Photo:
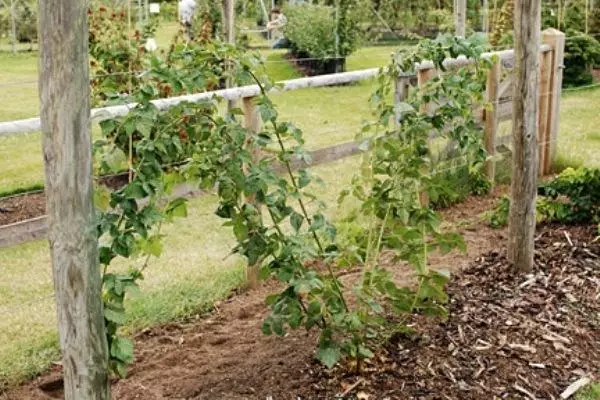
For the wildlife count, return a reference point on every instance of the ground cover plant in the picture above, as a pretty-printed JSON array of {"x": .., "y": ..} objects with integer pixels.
[{"x": 570, "y": 197}]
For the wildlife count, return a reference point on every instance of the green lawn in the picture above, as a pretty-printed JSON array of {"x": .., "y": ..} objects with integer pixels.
[{"x": 194, "y": 271}]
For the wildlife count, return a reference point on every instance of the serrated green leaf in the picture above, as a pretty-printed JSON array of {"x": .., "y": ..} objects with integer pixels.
[
  {"x": 296, "y": 219},
  {"x": 329, "y": 356}
]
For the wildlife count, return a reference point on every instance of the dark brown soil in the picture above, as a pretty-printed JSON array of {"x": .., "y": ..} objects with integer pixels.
[
  {"x": 31, "y": 205},
  {"x": 19, "y": 208},
  {"x": 504, "y": 337}
]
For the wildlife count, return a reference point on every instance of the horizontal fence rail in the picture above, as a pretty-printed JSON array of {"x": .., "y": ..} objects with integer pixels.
[
  {"x": 99, "y": 114},
  {"x": 497, "y": 96},
  {"x": 30, "y": 125}
]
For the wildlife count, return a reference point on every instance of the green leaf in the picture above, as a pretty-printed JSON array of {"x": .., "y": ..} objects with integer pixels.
[
  {"x": 296, "y": 219},
  {"x": 177, "y": 208},
  {"x": 118, "y": 317},
  {"x": 304, "y": 179},
  {"x": 329, "y": 355},
  {"x": 364, "y": 352},
  {"x": 102, "y": 198},
  {"x": 122, "y": 349}
]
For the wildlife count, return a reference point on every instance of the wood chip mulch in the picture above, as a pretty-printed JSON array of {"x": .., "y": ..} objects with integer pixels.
[{"x": 528, "y": 337}]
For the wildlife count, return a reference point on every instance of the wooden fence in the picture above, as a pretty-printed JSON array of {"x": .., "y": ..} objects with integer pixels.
[{"x": 498, "y": 95}]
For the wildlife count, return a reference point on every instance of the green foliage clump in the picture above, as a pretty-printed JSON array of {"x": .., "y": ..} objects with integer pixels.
[
  {"x": 576, "y": 192},
  {"x": 26, "y": 23},
  {"x": 312, "y": 30},
  {"x": 116, "y": 58},
  {"x": 279, "y": 224},
  {"x": 582, "y": 53},
  {"x": 571, "y": 197},
  {"x": 155, "y": 143}
]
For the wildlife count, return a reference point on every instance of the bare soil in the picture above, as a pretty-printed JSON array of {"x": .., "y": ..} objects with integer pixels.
[
  {"x": 22, "y": 207},
  {"x": 31, "y": 205},
  {"x": 504, "y": 338}
]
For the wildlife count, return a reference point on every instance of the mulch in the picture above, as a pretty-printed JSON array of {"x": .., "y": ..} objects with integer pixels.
[
  {"x": 528, "y": 337},
  {"x": 506, "y": 337}
]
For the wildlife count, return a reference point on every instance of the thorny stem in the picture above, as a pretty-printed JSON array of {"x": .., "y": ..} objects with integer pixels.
[{"x": 288, "y": 168}]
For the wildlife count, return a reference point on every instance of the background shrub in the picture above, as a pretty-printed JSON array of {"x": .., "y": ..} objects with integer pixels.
[{"x": 582, "y": 52}]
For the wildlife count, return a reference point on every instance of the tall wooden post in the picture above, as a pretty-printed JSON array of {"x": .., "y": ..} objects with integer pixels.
[
  {"x": 401, "y": 87},
  {"x": 229, "y": 27},
  {"x": 543, "y": 111},
  {"x": 525, "y": 114},
  {"x": 65, "y": 121},
  {"x": 491, "y": 118},
  {"x": 252, "y": 122},
  {"x": 461, "y": 17},
  {"x": 485, "y": 17},
  {"x": 13, "y": 27},
  {"x": 556, "y": 39}
]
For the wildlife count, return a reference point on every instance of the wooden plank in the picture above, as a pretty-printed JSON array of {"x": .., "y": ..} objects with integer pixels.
[
  {"x": 491, "y": 118},
  {"x": 556, "y": 40},
  {"x": 506, "y": 86},
  {"x": 36, "y": 228},
  {"x": 544, "y": 107},
  {"x": 401, "y": 88},
  {"x": 525, "y": 117},
  {"x": 67, "y": 147}
]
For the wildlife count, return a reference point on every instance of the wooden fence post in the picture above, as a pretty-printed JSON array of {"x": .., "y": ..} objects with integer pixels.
[
  {"x": 423, "y": 76},
  {"x": 543, "y": 111},
  {"x": 252, "y": 122},
  {"x": 522, "y": 215},
  {"x": 556, "y": 39},
  {"x": 491, "y": 118},
  {"x": 461, "y": 18},
  {"x": 229, "y": 27},
  {"x": 67, "y": 146},
  {"x": 401, "y": 87}
]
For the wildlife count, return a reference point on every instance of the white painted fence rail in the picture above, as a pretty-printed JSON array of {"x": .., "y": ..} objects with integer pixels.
[
  {"x": 99, "y": 114},
  {"x": 30, "y": 125}
]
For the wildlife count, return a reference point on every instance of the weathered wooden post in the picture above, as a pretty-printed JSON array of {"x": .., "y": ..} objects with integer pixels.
[
  {"x": 491, "y": 118},
  {"x": 13, "y": 27},
  {"x": 65, "y": 121},
  {"x": 401, "y": 87},
  {"x": 461, "y": 17},
  {"x": 252, "y": 122},
  {"x": 424, "y": 75},
  {"x": 525, "y": 113},
  {"x": 556, "y": 39},
  {"x": 543, "y": 110},
  {"x": 229, "y": 27}
]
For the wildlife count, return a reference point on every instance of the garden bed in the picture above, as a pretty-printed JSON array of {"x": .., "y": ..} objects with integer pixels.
[
  {"x": 30, "y": 205},
  {"x": 505, "y": 338}
]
